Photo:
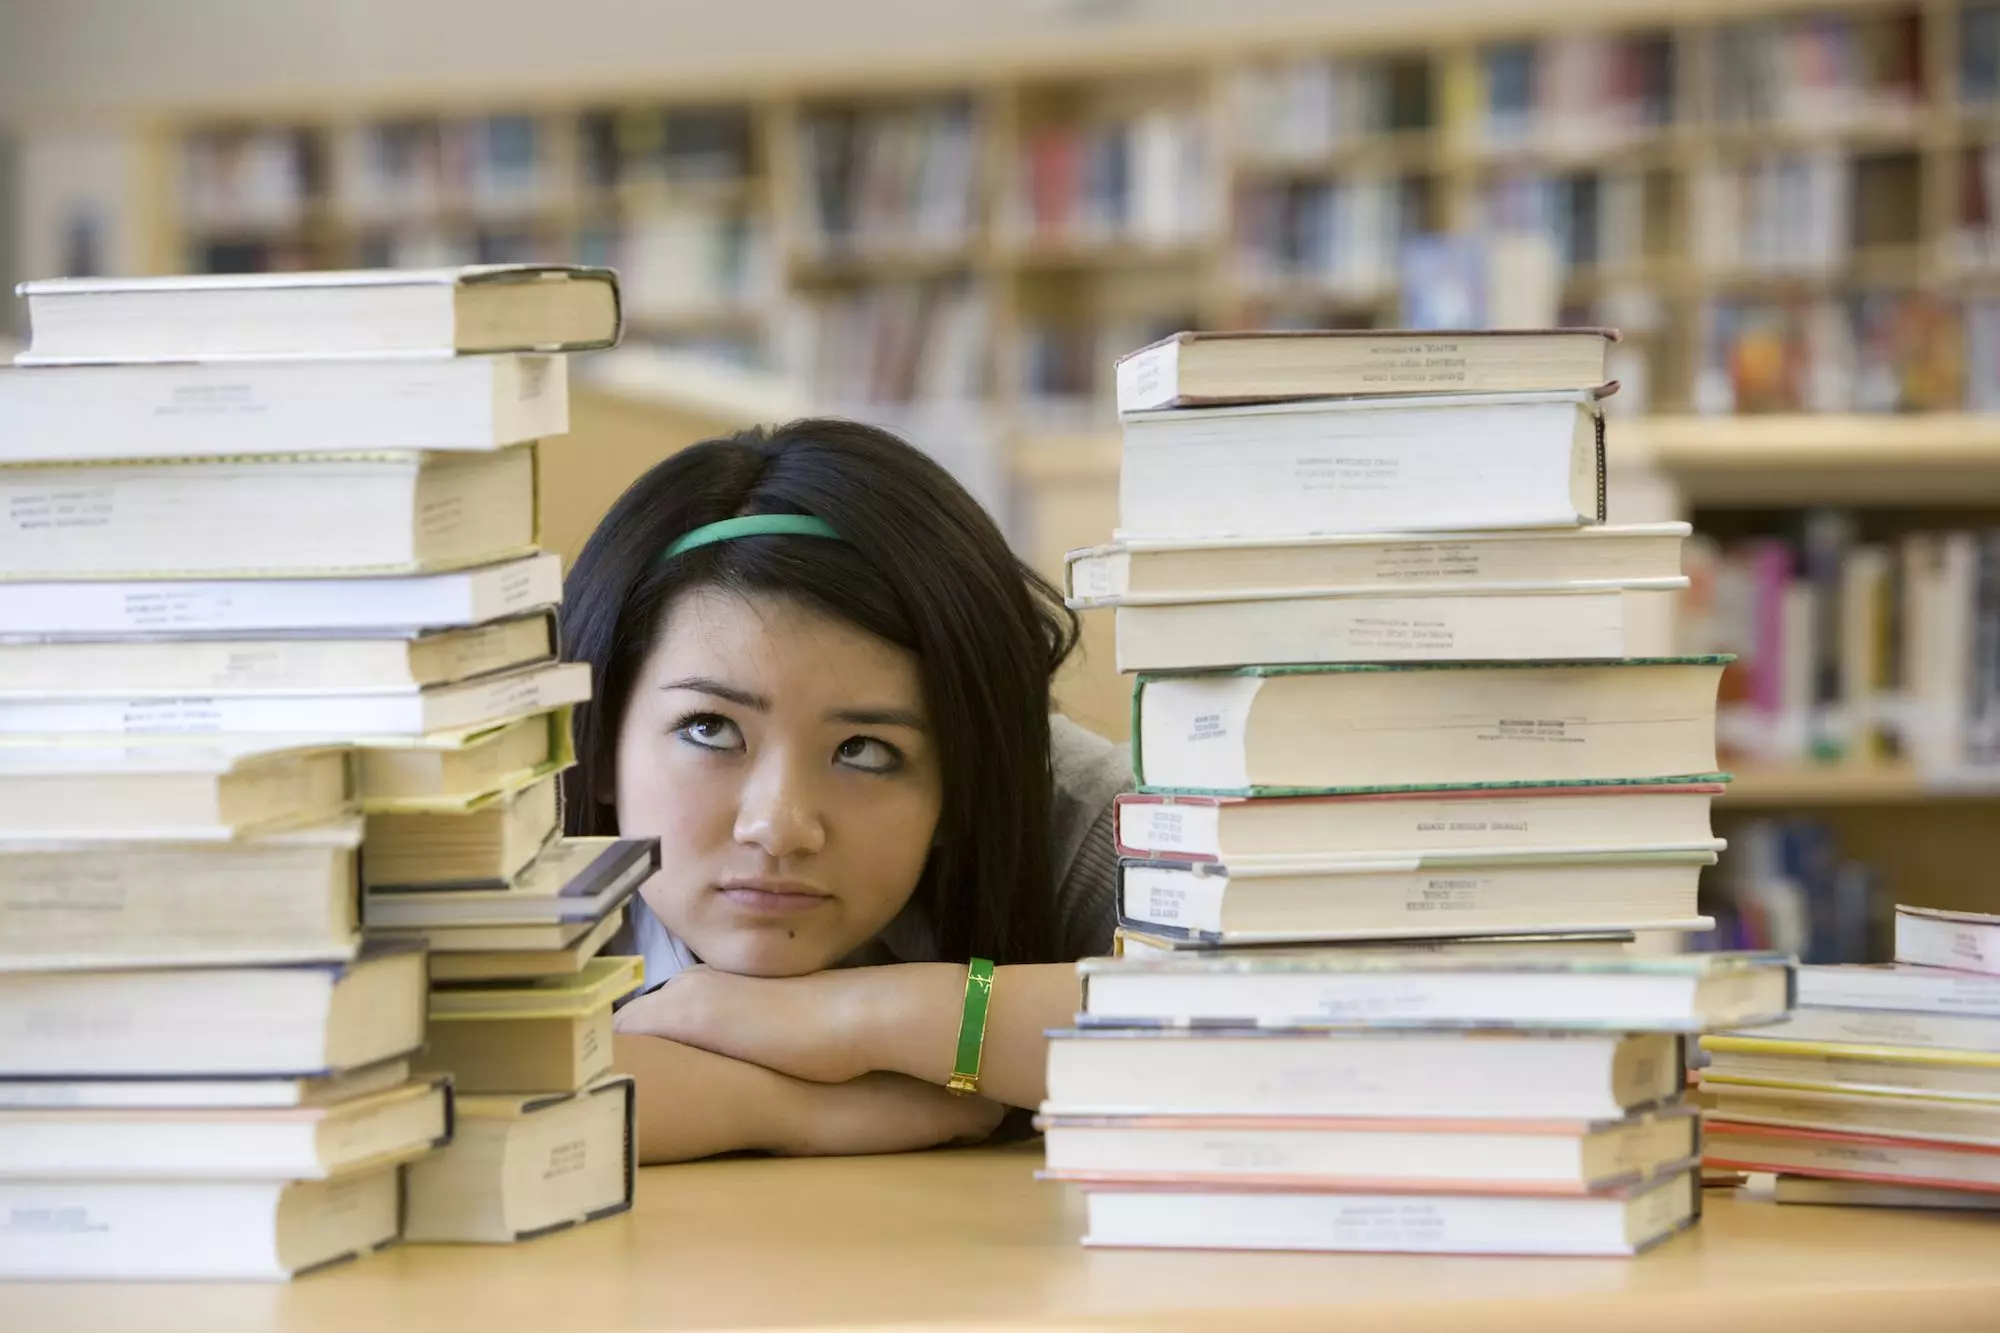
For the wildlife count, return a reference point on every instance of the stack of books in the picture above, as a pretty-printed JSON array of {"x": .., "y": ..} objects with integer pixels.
[
  {"x": 270, "y": 564},
  {"x": 1883, "y": 1088},
  {"x": 1401, "y": 755}
]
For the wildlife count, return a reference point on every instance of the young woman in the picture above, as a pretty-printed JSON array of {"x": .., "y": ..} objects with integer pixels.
[{"x": 822, "y": 681}]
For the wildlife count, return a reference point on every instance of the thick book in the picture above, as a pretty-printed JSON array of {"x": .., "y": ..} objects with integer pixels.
[
  {"x": 96, "y": 414},
  {"x": 551, "y": 1034},
  {"x": 248, "y": 1230},
  {"x": 284, "y": 897},
  {"x": 356, "y": 313},
  {"x": 1869, "y": 1194},
  {"x": 1574, "y": 624},
  {"x": 574, "y": 880},
  {"x": 501, "y": 956},
  {"x": 1132, "y": 942},
  {"x": 1607, "y": 817},
  {"x": 480, "y": 848},
  {"x": 1905, "y": 1116},
  {"x": 520, "y": 950},
  {"x": 1439, "y": 464},
  {"x": 326, "y": 717},
  {"x": 1297, "y": 730},
  {"x": 1489, "y": 1075},
  {"x": 524, "y": 1166},
  {"x": 227, "y": 1143},
  {"x": 210, "y": 790},
  {"x": 1202, "y": 369},
  {"x": 1843, "y": 1156},
  {"x": 180, "y": 1094},
  {"x": 1913, "y": 1028},
  {"x": 213, "y": 1022},
  {"x": 152, "y": 665},
  {"x": 1400, "y": 1155},
  {"x": 1283, "y": 899},
  {"x": 1903, "y": 986},
  {"x": 1673, "y": 993},
  {"x": 1966, "y": 941},
  {"x": 294, "y": 516},
  {"x": 1297, "y": 1217},
  {"x": 465, "y": 768},
  {"x": 251, "y": 606},
  {"x": 1844, "y": 1067},
  {"x": 1138, "y": 572}
]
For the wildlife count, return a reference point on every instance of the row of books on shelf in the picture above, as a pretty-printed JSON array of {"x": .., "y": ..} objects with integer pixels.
[
  {"x": 1785, "y": 884},
  {"x": 294, "y": 946},
  {"x": 1821, "y": 69},
  {"x": 1879, "y": 352},
  {"x": 1302, "y": 110},
  {"x": 667, "y": 145},
  {"x": 1852, "y": 649},
  {"x": 892, "y": 176},
  {"x": 1576, "y": 91},
  {"x": 1150, "y": 179},
  {"x": 893, "y": 343}
]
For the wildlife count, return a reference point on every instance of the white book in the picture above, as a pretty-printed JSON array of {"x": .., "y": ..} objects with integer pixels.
[
  {"x": 196, "y": 1093},
  {"x": 1435, "y": 463},
  {"x": 1134, "y": 571},
  {"x": 214, "y": 789},
  {"x": 432, "y": 312},
  {"x": 299, "y": 514},
  {"x": 1934, "y": 990},
  {"x": 86, "y": 414},
  {"x": 1677, "y": 993},
  {"x": 241, "y": 607},
  {"x": 1616, "y": 1223},
  {"x": 1964, "y": 941},
  {"x": 1419, "y": 1074},
  {"x": 1909, "y": 1116},
  {"x": 1288, "y": 730},
  {"x": 213, "y": 1022},
  {"x": 1352, "y": 1153},
  {"x": 1559, "y": 623},
  {"x": 303, "y": 717},
  {"x": 293, "y": 664},
  {"x": 1297, "y": 899},
  {"x": 226, "y": 1143},
  {"x": 249, "y": 1230},
  {"x": 1890, "y": 1027},
  {"x": 1870, "y": 1194},
  {"x": 285, "y": 897}
]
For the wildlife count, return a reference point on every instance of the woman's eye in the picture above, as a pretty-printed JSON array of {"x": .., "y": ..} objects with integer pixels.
[
  {"x": 710, "y": 731},
  {"x": 869, "y": 755}
]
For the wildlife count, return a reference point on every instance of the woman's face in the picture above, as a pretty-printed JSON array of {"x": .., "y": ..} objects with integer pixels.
[{"x": 784, "y": 761}]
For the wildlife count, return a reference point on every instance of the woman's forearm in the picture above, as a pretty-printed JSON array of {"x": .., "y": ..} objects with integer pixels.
[
  {"x": 693, "y": 1103},
  {"x": 906, "y": 1018}
]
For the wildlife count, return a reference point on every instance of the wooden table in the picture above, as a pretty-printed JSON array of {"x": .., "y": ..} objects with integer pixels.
[{"x": 970, "y": 1239}]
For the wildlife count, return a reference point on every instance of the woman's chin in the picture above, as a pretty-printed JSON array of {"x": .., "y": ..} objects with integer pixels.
[{"x": 757, "y": 954}]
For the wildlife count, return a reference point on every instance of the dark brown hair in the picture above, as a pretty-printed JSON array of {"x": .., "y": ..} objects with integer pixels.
[{"x": 922, "y": 566}]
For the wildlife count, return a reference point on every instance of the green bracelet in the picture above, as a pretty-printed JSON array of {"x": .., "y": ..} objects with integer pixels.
[{"x": 972, "y": 1027}]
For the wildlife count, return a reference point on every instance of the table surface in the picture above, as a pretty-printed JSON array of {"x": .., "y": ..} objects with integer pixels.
[{"x": 969, "y": 1239}]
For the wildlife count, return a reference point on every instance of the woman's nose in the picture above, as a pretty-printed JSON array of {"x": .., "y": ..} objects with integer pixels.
[{"x": 778, "y": 810}]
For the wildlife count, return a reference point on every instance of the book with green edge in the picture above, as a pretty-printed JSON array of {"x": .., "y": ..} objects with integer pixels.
[{"x": 1146, "y": 679}]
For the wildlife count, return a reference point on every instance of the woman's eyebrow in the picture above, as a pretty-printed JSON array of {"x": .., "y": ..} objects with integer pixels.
[
  {"x": 884, "y": 716},
  {"x": 709, "y": 685}
]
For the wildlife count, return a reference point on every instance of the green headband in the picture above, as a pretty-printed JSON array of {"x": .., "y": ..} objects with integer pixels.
[{"x": 752, "y": 525}]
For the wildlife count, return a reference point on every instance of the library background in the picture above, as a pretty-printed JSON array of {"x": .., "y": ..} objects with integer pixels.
[{"x": 952, "y": 223}]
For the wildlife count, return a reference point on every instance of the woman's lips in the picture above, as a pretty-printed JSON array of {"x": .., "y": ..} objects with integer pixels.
[{"x": 771, "y": 898}]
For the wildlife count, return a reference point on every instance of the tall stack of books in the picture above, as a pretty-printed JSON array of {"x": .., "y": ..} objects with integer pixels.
[
  {"x": 270, "y": 557},
  {"x": 1883, "y": 1088},
  {"x": 1409, "y": 783}
]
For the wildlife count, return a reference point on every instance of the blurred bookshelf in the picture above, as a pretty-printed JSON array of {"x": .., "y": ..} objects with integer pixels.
[{"x": 1791, "y": 212}]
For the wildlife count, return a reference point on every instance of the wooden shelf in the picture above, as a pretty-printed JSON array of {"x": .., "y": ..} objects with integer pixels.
[
  {"x": 1930, "y": 458},
  {"x": 1805, "y": 785}
]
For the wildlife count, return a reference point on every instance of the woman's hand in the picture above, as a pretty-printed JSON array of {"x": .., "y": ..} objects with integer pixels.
[{"x": 802, "y": 1026}]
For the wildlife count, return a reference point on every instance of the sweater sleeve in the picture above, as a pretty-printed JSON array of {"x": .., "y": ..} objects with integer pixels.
[{"x": 1088, "y": 895}]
